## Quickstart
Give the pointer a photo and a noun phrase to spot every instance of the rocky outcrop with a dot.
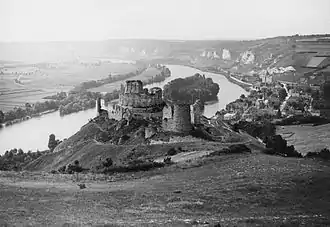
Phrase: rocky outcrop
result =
(247, 57)
(210, 54)
(226, 54)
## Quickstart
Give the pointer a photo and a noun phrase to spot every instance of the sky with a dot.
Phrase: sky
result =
(68, 20)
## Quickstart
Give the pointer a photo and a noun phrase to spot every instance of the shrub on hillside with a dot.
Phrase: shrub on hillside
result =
(107, 163)
(232, 149)
(239, 148)
(168, 160)
(74, 168)
(276, 145)
(62, 169)
(323, 154)
(133, 167)
(260, 129)
(16, 159)
(302, 119)
(174, 151)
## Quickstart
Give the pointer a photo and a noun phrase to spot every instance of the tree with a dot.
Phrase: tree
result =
(76, 168)
(282, 94)
(279, 114)
(52, 142)
(28, 105)
(242, 96)
(2, 117)
(20, 151)
(326, 91)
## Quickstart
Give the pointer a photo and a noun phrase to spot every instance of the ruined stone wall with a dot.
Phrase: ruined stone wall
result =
(134, 86)
(157, 92)
(167, 112)
(181, 120)
(139, 100)
(117, 112)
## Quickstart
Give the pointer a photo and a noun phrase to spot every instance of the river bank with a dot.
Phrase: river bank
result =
(242, 84)
(8, 123)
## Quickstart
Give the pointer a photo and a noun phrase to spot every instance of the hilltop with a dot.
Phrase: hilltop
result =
(104, 138)
(243, 56)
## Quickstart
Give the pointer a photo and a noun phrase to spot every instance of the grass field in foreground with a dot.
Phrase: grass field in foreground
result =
(235, 190)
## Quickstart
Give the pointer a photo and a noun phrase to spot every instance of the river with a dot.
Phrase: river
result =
(33, 134)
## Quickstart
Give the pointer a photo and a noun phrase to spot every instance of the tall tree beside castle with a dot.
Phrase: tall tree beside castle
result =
(52, 142)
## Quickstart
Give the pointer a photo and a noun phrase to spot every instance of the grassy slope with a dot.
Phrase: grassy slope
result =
(241, 190)
(306, 138)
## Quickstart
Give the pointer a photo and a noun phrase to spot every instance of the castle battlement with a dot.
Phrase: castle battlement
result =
(135, 96)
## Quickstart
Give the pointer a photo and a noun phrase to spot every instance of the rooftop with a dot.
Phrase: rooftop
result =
(317, 62)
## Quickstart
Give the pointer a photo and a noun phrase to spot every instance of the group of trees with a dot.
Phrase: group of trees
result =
(78, 101)
(298, 103)
(59, 96)
(28, 110)
(189, 89)
(110, 79)
(16, 159)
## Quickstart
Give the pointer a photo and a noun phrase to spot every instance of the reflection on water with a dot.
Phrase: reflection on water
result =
(33, 134)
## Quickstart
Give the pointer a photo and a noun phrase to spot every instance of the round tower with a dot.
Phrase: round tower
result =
(181, 118)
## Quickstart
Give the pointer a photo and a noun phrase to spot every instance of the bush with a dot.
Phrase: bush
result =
(54, 171)
(276, 145)
(239, 148)
(168, 160)
(323, 154)
(62, 169)
(108, 162)
(174, 150)
(232, 149)
(142, 166)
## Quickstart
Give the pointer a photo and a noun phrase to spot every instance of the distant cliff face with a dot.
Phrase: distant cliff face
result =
(226, 54)
(247, 57)
(210, 54)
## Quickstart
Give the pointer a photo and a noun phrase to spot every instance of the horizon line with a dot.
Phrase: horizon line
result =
(163, 39)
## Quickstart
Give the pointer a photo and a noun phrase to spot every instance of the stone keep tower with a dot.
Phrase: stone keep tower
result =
(133, 87)
(176, 118)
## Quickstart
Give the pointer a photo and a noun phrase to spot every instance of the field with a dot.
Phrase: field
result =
(306, 138)
(38, 82)
(146, 75)
(233, 190)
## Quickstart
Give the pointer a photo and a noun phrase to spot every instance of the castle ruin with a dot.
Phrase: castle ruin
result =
(139, 103)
